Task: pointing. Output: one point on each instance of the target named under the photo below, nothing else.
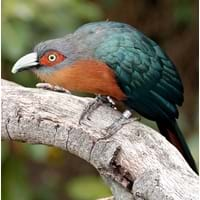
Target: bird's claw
(55, 88)
(99, 100)
(90, 108)
(118, 124)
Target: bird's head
(49, 56)
(55, 54)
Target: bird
(116, 60)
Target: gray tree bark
(136, 162)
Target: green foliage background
(35, 172)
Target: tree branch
(136, 162)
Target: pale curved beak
(26, 62)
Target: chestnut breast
(89, 76)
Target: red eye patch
(51, 58)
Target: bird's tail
(173, 134)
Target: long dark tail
(173, 134)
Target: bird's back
(144, 72)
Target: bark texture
(136, 162)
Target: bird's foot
(98, 101)
(56, 88)
(119, 123)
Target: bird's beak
(26, 62)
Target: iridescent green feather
(143, 71)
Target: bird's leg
(119, 123)
(56, 88)
(111, 102)
(98, 101)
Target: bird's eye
(52, 57)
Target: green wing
(144, 72)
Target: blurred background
(35, 172)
